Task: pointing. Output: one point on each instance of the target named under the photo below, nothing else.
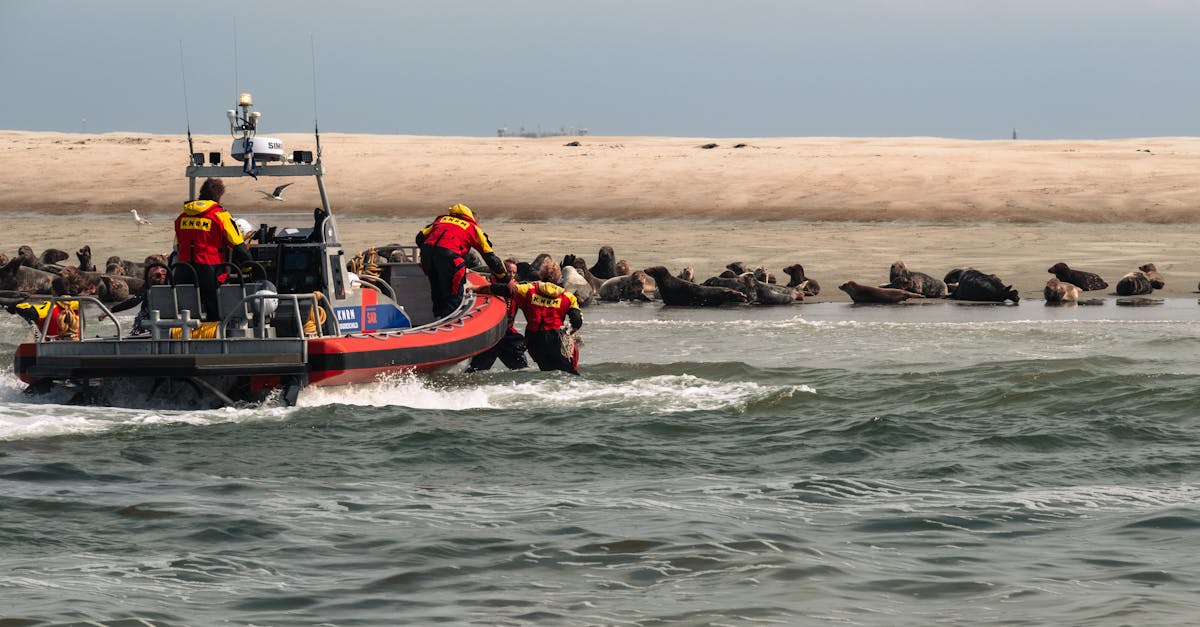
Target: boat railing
(378, 284)
(65, 301)
(259, 303)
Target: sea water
(814, 464)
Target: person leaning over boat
(444, 244)
(510, 350)
(204, 233)
(546, 307)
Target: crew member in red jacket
(511, 348)
(204, 236)
(444, 245)
(547, 307)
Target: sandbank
(845, 208)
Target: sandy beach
(845, 208)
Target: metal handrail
(54, 300)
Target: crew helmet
(462, 210)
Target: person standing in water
(547, 308)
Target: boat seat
(170, 300)
(187, 296)
(231, 299)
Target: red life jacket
(456, 233)
(38, 313)
(545, 305)
(203, 231)
(511, 308)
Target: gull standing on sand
(275, 195)
(139, 219)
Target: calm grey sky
(746, 68)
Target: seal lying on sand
(1086, 281)
(574, 283)
(1058, 292)
(53, 256)
(1134, 284)
(626, 287)
(743, 283)
(773, 294)
(762, 274)
(1152, 275)
(579, 264)
(606, 264)
(810, 287)
(900, 277)
(85, 259)
(860, 293)
(973, 285)
(676, 291)
(18, 277)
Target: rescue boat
(296, 317)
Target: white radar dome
(265, 149)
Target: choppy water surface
(814, 464)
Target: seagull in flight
(139, 219)
(275, 195)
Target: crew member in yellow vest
(59, 320)
(547, 307)
(444, 244)
(205, 234)
(510, 350)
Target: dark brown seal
(1086, 281)
(606, 264)
(973, 285)
(807, 285)
(677, 292)
(85, 259)
(860, 293)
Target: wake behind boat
(294, 317)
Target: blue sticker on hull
(386, 317)
(347, 319)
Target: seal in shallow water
(1058, 292)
